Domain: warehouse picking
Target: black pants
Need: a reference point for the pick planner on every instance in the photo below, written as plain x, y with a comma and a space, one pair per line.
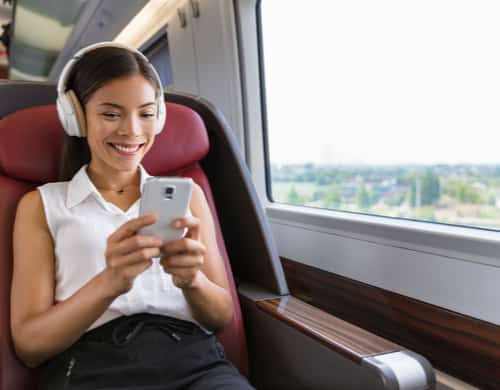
140, 352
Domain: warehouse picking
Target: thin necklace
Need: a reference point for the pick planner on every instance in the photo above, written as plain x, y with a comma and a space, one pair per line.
121, 191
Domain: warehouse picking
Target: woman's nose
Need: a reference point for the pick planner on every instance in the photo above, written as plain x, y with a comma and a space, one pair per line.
131, 125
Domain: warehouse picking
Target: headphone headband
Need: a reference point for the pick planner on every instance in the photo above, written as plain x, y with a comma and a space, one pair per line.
70, 115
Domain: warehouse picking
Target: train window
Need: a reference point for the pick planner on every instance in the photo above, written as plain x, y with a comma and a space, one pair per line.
387, 108
158, 53
40, 32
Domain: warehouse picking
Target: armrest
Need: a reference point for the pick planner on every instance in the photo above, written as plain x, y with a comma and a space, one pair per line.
395, 367
350, 341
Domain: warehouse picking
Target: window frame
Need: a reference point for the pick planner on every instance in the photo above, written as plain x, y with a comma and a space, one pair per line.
450, 248
372, 217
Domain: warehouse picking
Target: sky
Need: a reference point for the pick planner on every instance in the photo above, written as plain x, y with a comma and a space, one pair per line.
382, 82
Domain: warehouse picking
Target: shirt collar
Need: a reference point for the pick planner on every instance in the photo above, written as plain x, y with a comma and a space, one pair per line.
144, 176
80, 186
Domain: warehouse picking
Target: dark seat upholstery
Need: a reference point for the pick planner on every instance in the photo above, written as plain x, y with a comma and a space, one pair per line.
30, 146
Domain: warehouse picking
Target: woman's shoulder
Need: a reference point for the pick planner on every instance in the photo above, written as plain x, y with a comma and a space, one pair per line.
33, 201
30, 206
199, 205
197, 190
30, 200
197, 196
36, 205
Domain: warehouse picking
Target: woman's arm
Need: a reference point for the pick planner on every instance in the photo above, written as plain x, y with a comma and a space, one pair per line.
40, 327
198, 268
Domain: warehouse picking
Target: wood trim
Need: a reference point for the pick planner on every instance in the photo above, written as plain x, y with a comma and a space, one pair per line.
349, 340
462, 346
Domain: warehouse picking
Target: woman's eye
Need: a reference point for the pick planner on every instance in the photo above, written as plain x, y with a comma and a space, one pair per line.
110, 115
148, 115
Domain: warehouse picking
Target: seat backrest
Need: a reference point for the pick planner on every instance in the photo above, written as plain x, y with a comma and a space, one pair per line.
30, 149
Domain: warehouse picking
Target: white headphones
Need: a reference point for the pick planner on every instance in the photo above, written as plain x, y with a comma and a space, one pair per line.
70, 110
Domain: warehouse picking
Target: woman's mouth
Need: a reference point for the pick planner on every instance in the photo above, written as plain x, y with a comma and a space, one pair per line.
126, 149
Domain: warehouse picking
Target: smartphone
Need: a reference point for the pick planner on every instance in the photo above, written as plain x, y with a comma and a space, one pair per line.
168, 198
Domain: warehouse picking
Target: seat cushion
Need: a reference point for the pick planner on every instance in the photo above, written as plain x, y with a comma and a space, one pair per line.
31, 144
232, 336
13, 375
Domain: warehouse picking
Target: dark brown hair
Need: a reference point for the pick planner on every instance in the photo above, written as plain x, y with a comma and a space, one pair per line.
91, 72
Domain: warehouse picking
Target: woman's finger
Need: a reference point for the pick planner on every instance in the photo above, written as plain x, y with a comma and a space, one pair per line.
183, 245
137, 268
128, 274
134, 243
191, 223
131, 227
182, 261
138, 256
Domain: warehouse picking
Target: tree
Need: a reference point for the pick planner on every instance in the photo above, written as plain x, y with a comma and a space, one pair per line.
294, 197
332, 198
395, 199
467, 194
429, 189
363, 199
324, 179
463, 192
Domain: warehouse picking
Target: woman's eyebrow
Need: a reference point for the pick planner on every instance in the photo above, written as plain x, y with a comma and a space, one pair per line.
121, 107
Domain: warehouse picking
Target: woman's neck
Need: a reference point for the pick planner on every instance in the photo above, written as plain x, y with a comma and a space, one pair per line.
113, 180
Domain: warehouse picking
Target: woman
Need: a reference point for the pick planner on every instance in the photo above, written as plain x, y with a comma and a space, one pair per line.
89, 303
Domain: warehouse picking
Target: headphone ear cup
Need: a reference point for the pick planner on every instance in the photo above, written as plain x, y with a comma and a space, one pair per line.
162, 115
70, 113
63, 105
79, 115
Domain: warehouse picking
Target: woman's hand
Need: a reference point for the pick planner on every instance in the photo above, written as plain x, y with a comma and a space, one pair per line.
184, 258
128, 254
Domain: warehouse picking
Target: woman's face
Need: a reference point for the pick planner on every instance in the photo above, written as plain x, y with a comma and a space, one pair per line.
121, 121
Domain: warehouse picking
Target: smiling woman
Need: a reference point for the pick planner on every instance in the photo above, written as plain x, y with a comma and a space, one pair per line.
96, 300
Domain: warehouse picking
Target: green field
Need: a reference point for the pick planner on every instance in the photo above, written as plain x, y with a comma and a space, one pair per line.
280, 190
447, 211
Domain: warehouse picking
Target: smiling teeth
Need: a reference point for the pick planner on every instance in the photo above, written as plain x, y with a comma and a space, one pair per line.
127, 149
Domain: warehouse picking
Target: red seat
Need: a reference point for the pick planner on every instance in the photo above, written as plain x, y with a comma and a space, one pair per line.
30, 146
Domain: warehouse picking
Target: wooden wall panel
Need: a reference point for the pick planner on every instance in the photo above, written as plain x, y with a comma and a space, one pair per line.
459, 345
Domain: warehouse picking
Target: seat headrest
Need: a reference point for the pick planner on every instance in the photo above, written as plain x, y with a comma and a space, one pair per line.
31, 143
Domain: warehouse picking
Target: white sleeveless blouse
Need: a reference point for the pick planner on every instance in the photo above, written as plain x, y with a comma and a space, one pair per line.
80, 220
